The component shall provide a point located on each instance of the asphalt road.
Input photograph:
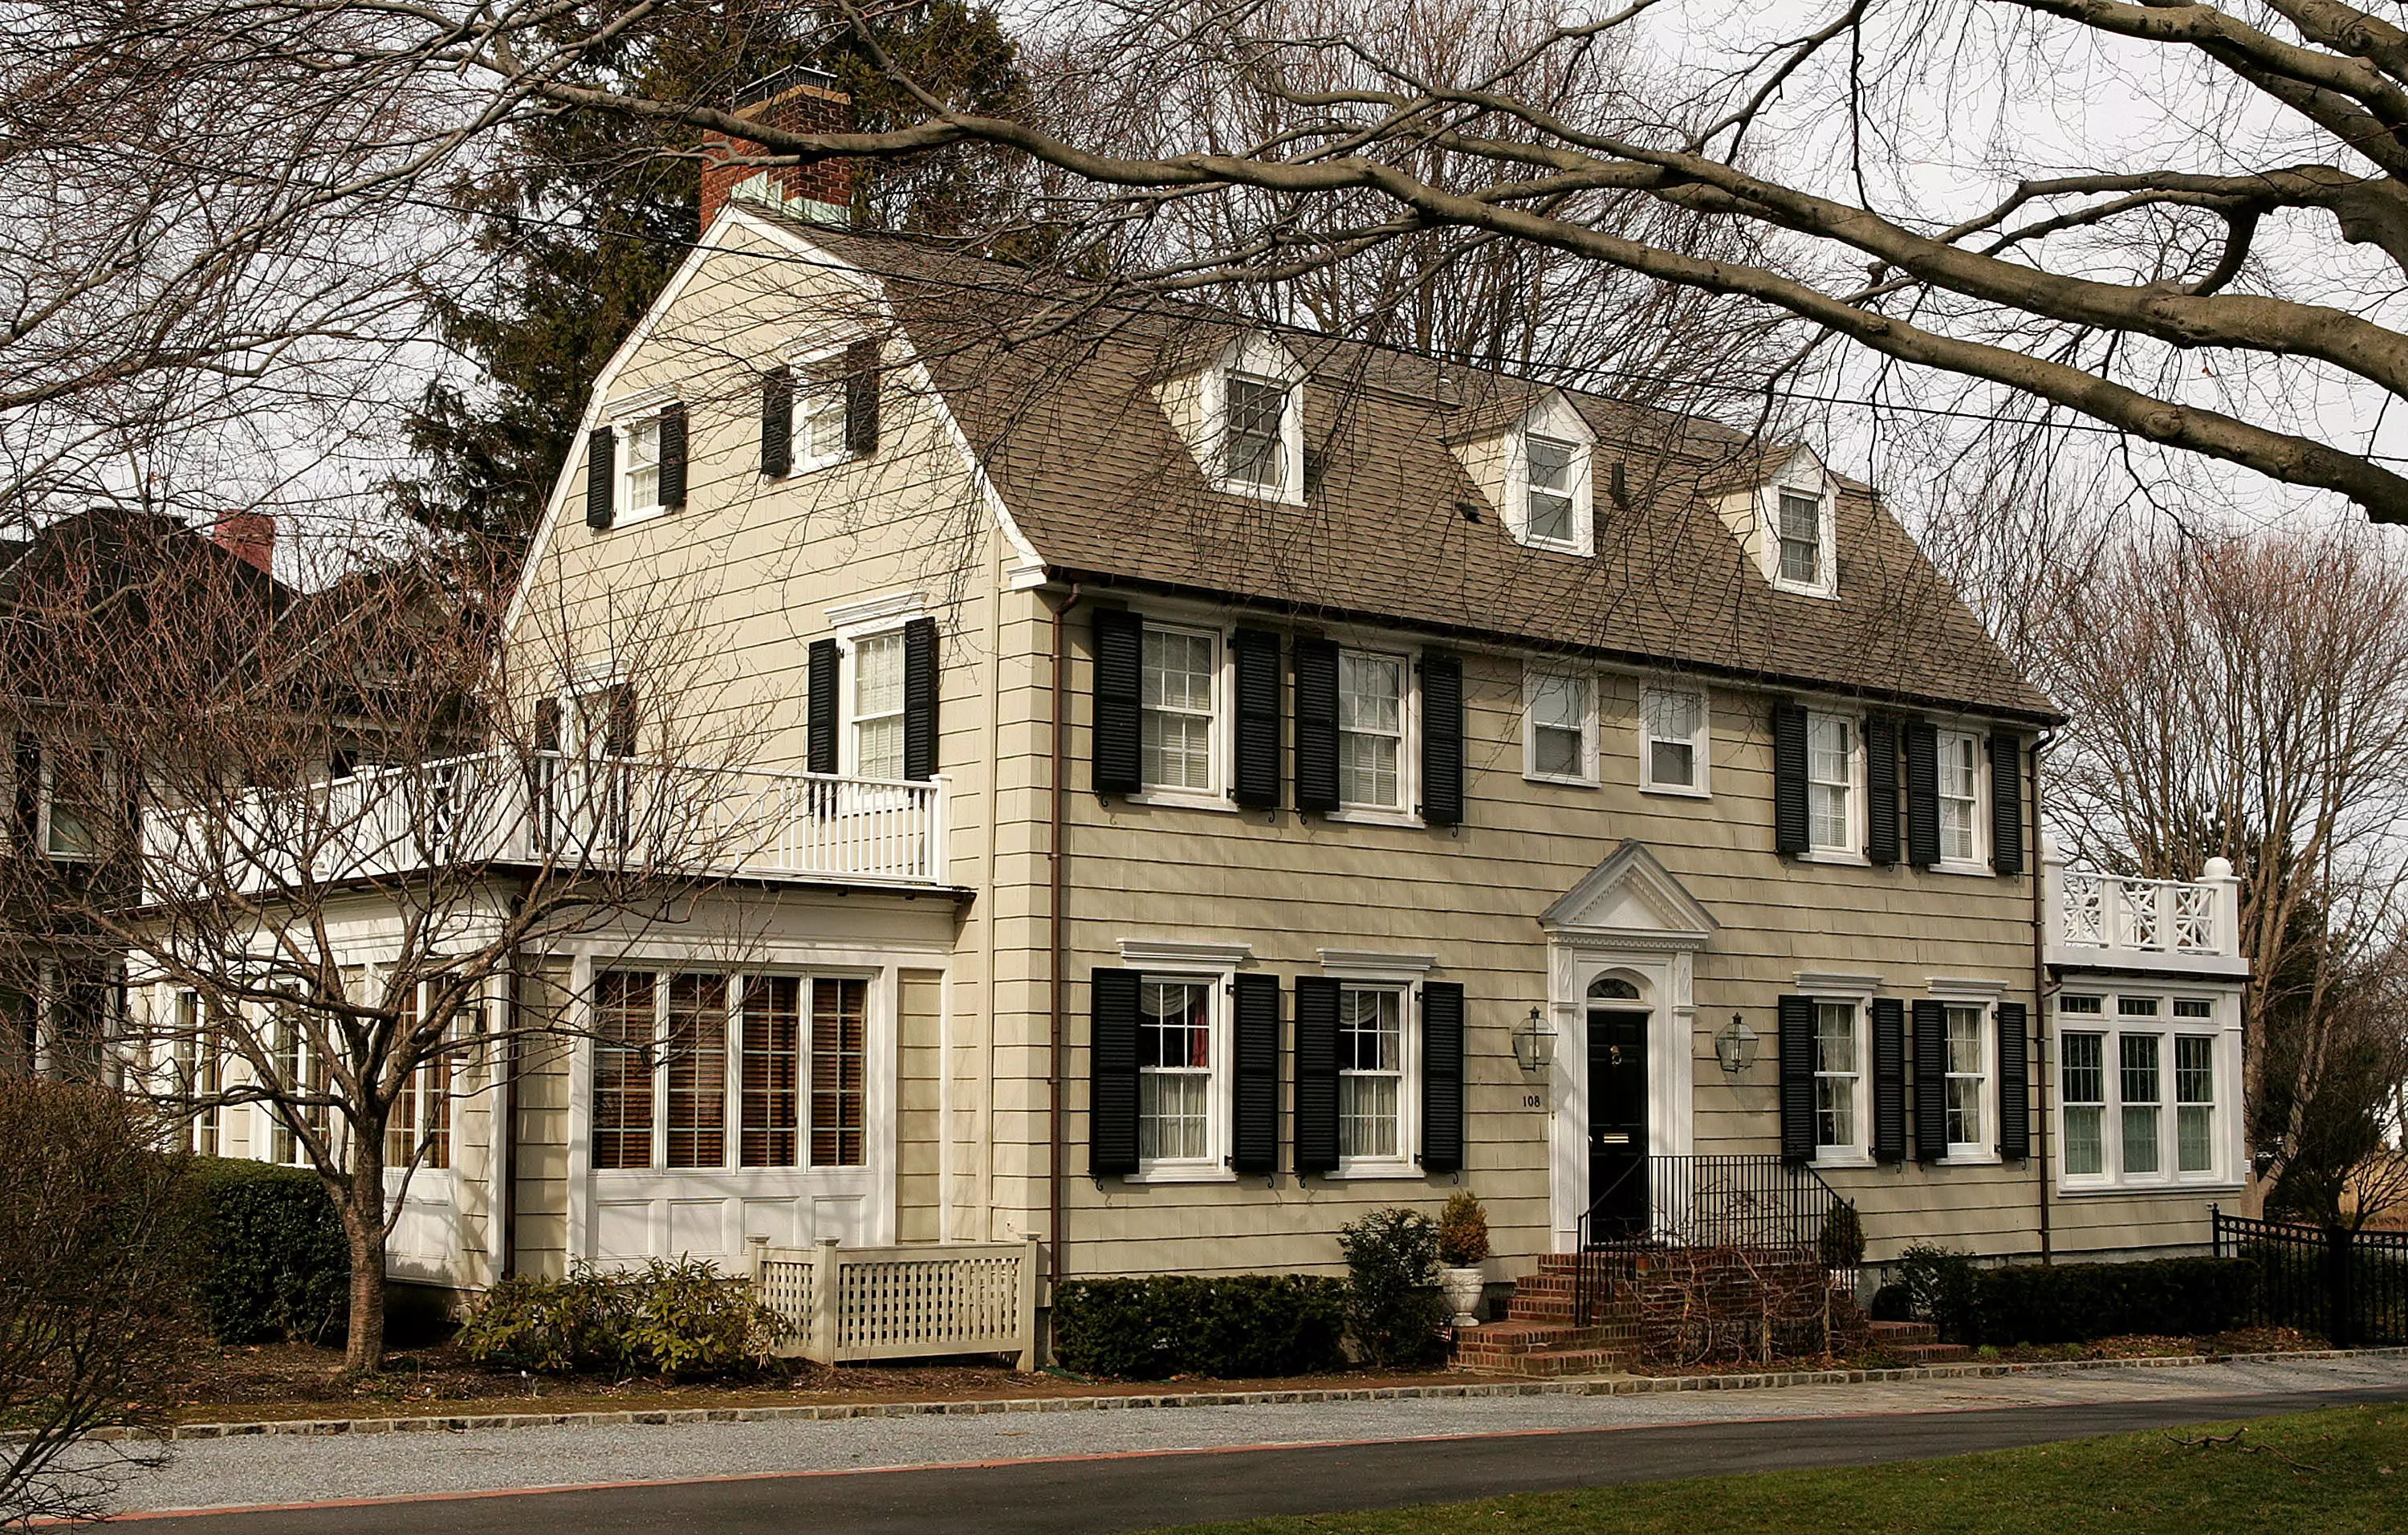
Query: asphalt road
(1126, 1490)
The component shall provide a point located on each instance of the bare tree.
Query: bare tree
(311, 837)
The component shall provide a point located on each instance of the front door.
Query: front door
(1617, 1124)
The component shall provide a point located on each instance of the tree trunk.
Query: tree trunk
(362, 1208)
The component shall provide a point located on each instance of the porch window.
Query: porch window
(1370, 730)
(418, 1126)
(2194, 1103)
(200, 1074)
(697, 1071)
(1838, 1077)
(2083, 1076)
(623, 1069)
(839, 1072)
(1370, 1073)
(301, 1073)
(1175, 1065)
(772, 1065)
(2140, 1100)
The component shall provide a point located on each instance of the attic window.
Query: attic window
(1253, 432)
(1801, 538)
(1799, 553)
(1547, 505)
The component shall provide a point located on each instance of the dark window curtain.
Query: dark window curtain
(1316, 1074)
(1111, 1074)
(778, 423)
(601, 472)
(1260, 719)
(1889, 1078)
(1930, 1081)
(1120, 655)
(920, 700)
(2015, 1081)
(1442, 1076)
(1442, 739)
(820, 714)
(2006, 803)
(1316, 725)
(1789, 829)
(1796, 1014)
(673, 455)
(1255, 1068)
(1922, 794)
(1881, 789)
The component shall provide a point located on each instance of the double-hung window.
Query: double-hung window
(418, 1128)
(1563, 729)
(1370, 1074)
(1839, 1080)
(2194, 1103)
(1672, 755)
(2082, 1080)
(200, 1073)
(1967, 1084)
(878, 705)
(75, 792)
(1253, 432)
(1548, 512)
(1831, 783)
(1178, 678)
(823, 427)
(1370, 730)
(2139, 1095)
(1801, 537)
(1176, 1064)
(1960, 799)
(640, 465)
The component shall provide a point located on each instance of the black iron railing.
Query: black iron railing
(2348, 1286)
(1756, 1202)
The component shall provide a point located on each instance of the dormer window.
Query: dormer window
(1535, 468)
(1240, 410)
(1253, 447)
(1549, 501)
(1801, 537)
(1787, 520)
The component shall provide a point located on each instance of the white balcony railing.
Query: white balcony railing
(2120, 922)
(563, 811)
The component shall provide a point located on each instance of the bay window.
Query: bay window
(2142, 1100)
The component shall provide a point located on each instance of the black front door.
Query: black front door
(1617, 1124)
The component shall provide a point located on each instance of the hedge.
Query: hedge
(2075, 1303)
(275, 1262)
(1237, 1326)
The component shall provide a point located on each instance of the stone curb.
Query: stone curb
(1612, 1385)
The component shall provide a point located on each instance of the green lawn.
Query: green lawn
(2129, 1483)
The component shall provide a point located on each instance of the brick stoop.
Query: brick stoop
(1539, 1337)
(1919, 1343)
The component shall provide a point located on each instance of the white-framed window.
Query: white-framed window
(2143, 1091)
(1801, 537)
(1799, 521)
(2082, 1083)
(1549, 502)
(876, 704)
(1839, 1080)
(1545, 474)
(1962, 822)
(1253, 432)
(1965, 1086)
(200, 1074)
(2194, 1103)
(1372, 699)
(1179, 696)
(1832, 803)
(1674, 754)
(1182, 1065)
(822, 422)
(706, 1070)
(76, 788)
(2140, 1102)
(419, 1123)
(1373, 1079)
(300, 1078)
(640, 465)
(1247, 426)
(1560, 743)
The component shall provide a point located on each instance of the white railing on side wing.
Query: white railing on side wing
(2119, 914)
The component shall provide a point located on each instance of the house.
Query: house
(1209, 783)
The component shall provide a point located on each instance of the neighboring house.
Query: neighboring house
(1213, 783)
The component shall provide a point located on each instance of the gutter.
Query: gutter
(506, 1144)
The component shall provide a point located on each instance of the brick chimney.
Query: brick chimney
(797, 100)
(249, 536)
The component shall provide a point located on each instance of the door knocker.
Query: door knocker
(1614, 1054)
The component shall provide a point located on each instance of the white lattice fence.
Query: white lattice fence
(902, 1302)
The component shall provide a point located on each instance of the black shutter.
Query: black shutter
(1796, 1079)
(1258, 655)
(819, 715)
(601, 471)
(1931, 1079)
(2015, 1081)
(673, 455)
(861, 399)
(1111, 1074)
(1441, 738)
(778, 423)
(547, 725)
(1120, 658)
(920, 700)
(1922, 794)
(1889, 1078)
(1789, 830)
(1316, 1074)
(29, 790)
(1256, 1074)
(1316, 725)
(1880, 789)
(1442, 1076)
(619, 722)
(2006, 803)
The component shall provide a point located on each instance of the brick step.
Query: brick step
(1931, 1353)
(1528, 1337)
(1893, 1333)
(1549, 1364)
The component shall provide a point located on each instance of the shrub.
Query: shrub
(1234, 1326)
(1893, 1302)
(1843, 1239)
(2075, 1303)
(1392, 1262)
(674, 1319)
(1462, 1230)
(274, 1261)
(1941, 1284)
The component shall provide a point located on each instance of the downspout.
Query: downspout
(1058, 958)
(506, 1144)
(2040, 988)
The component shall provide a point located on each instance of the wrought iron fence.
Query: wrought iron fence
(2348, 1286)
(1752, 1201)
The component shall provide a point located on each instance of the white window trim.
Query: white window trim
(848, 684)
(1702, 744)
(1263, 358)
(1854, 851)
(1860, 1152)
(1980, 863)
(1219, 1108)
(1587, 778)
(2221, 1028)
(1517, 490)
(1983, 1152)
(623, 416)
(872, 618)
(111, 792)
(1407, 1162)
(1409, 741)
(1222, 733)
(802, 367)
(1827, 555)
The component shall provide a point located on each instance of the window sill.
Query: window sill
(802, 468)
(1973, 870)
(1824, 590)
(1185, 799)
(1680, 791)
(1971, 1158)
(1551, 546)
(1565, 779)
(2090, 1190)
(1277, 495)
(1843, 1161)
(1364, 816)
(1373, 1171)
(631, 517)
(1181, 1175)
(1840, 857)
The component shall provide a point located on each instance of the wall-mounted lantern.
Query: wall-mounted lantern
(1735, 1046)
(1534, 1042)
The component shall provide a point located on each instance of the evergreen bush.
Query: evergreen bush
(675, 1319)
(273, 1261)
(1392, 1309)
(2076, 1302)
(1232, 1326)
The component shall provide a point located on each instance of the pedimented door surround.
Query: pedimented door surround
(1630, 920)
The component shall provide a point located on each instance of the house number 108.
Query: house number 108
(1534, 1100)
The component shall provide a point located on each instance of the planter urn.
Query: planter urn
(1463, 1288)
